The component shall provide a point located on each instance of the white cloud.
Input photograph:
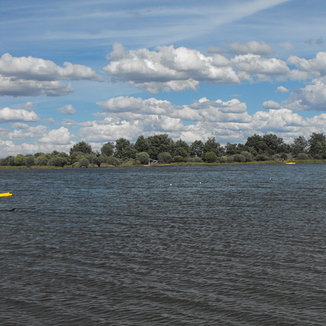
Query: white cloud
(313, 67)
(67, 109)
(28, 76)
(271, 105)
(169, 68)
(253, 47)
(255, 64)
(310, 98)
(12, 87)
(30, 68)
(59, 136)
(282, 89)
(10, 115)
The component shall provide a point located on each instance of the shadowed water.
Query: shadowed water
(192, 245)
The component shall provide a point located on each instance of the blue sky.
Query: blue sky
(100, 70)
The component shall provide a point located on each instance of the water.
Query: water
(192, 245)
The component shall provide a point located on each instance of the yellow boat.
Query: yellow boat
(290, 162)
(5, 194)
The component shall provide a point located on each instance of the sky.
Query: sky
(99, 70)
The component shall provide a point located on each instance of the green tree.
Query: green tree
(231, 149)
(299, 145)
(142, 157)
(212, 146)
(142, 144)
(124, 149)
(164, 157)
(42, 160)
(83, 162)
(159, 144)
(256, 144)
(210, 157)
(317, 145)
(197, 148)
(81, 147)
(29, 160)
(274, 144)
(20, 160)
(107, 149)
(58, 161)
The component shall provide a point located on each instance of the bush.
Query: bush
(112, 161)
(84, 162)
(194, 159)
(230, 159)
(261, 157)
(239, 158)
(210, 157)
(302, 156)
(164, 157)
(222, 159)
(142, 157)
(58, 161)
(179, 158)
(41, 160)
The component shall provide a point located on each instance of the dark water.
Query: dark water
(194, 245)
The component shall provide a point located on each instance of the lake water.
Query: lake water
(192, 245)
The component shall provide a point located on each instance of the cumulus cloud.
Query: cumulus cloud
(255, 64)
(57, 136)
(282, 89)
(271, 105)
(312, 67)
(11, 115)
(310, 98)
(169, 68)
(29, 76)
(30, 68)
(67, 109)
(253, 47)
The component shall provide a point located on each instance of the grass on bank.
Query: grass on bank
(128, 164)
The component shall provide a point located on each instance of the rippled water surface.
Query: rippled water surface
(192, 245)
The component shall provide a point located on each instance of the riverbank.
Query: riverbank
(158, 164)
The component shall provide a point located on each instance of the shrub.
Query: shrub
(239, 158)
(164, 157)
(302, 156)
(222, 159)
(194, 159)
(142, 157)
(230, 159)
(210, 157)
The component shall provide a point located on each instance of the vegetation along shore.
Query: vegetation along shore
(160, 149)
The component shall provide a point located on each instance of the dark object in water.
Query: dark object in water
(9, 210)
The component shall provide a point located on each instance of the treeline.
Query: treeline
(162, 149)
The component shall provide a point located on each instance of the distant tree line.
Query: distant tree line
(162, 149)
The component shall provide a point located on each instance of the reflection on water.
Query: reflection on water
(192, 245)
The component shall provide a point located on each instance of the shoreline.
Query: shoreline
(24, 167)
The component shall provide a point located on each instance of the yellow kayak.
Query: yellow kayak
(5, 194)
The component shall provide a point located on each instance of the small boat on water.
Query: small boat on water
(5, 194)
(291, 162)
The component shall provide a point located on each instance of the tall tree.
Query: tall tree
(107, 149)
(81, 147)
(197, 148)
(317, 144)
(124, 149)
(141, 144)
(212, 146)
(159, 144)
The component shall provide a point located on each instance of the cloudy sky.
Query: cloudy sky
(104, 69)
